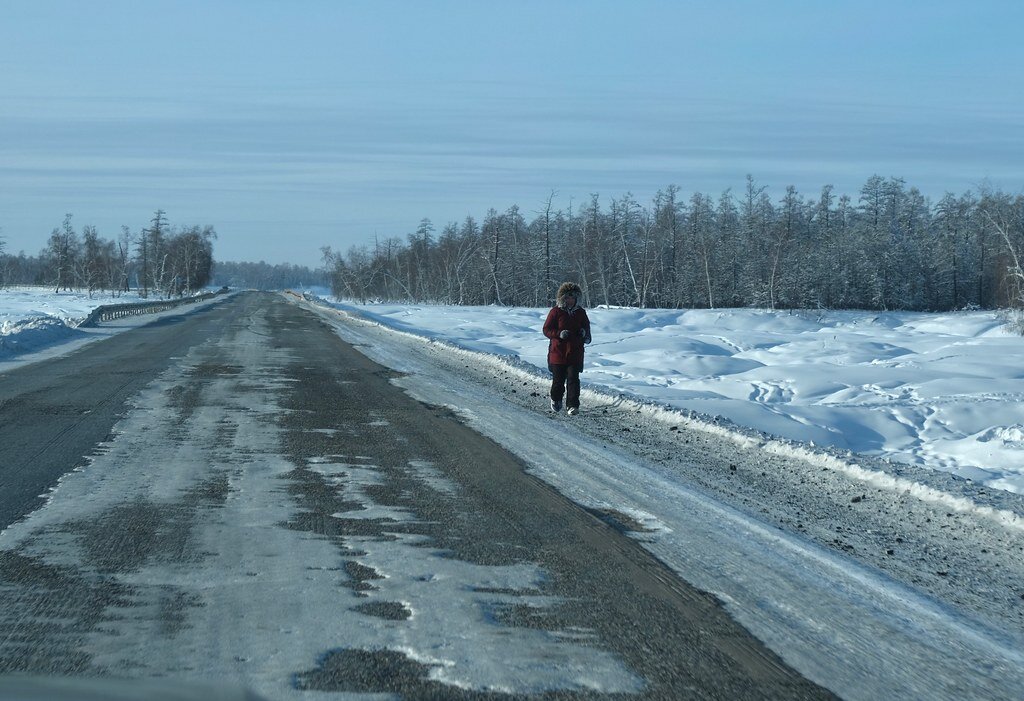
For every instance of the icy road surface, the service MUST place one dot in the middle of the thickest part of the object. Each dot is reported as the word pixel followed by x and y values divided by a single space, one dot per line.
pixel 262 506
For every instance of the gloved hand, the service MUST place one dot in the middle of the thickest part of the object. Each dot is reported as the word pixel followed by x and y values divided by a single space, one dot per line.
pixel 563 334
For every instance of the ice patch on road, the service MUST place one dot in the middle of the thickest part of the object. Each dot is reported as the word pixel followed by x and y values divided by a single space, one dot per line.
pixel 452 627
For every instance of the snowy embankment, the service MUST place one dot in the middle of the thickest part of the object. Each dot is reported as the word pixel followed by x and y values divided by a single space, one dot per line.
pixel 36 323
pixel 33 318
pixel 940 391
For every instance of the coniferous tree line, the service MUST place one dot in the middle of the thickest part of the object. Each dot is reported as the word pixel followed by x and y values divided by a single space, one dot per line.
pixel 887 248
pixel 159 260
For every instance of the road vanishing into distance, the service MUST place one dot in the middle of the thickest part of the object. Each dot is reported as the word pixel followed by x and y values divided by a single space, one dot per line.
pixel 235 496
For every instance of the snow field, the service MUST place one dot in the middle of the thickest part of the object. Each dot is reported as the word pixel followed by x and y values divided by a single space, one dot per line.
pixel 941 391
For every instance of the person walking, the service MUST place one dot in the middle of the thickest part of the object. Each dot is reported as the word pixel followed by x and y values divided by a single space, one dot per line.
pixel 568 330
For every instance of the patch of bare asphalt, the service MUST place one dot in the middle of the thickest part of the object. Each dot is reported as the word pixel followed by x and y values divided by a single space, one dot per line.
pixel 49 610
pixel 387 671
pixel 127 536
pixel 54 604
pixel 388 610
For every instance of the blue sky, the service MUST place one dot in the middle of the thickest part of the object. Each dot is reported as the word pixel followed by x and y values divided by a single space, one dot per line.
pixel 294 125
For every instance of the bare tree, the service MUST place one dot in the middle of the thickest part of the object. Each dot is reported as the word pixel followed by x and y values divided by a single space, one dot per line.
pixel 124 245
pixel 1006 217
pixel 702 233
pixel 63 250
pixel 92 263
pixel 670 213
pixel 492 230
pixel 549 281
pixel 157 251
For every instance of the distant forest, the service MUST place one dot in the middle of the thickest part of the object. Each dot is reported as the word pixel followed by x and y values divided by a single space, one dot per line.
pixel 160 260
pixel 889 248
pixel 264 276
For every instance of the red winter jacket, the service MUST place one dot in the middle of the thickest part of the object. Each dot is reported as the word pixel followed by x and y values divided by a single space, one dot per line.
pixel 567 351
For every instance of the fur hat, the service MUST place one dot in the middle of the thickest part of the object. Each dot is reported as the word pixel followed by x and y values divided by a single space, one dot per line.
pixel 566 289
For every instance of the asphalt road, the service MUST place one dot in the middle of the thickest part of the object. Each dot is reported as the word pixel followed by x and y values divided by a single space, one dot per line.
pixel 259 504
pixel 54 413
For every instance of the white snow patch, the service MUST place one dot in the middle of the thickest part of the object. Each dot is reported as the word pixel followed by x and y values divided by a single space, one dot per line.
pixel 924 389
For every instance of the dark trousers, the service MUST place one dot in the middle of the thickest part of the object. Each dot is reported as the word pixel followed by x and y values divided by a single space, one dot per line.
pixel 565 380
